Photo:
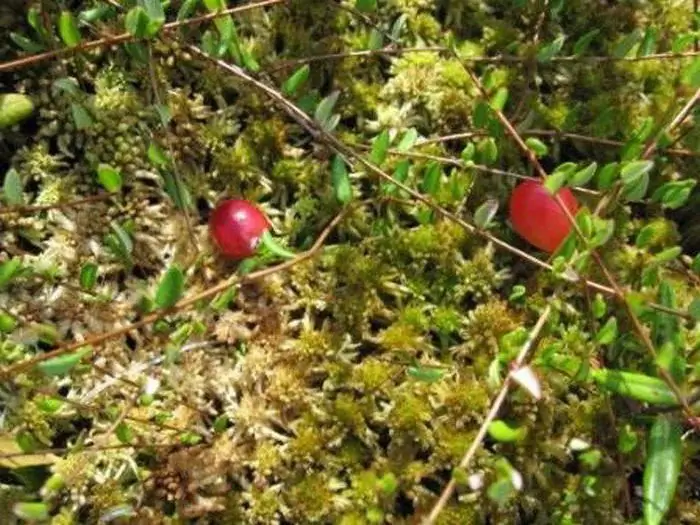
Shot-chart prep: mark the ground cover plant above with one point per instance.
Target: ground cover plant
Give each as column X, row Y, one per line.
column 349, row 261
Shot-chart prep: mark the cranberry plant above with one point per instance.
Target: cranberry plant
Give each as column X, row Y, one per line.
column 349, row 261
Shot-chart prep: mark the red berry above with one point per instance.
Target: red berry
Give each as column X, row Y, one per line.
column 236, row 226
column 537, row 217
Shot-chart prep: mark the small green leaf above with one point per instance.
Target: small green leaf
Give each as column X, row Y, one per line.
column 170, row 288
column 487, row 151
column 667, row 255
column 32, row 511
column 408, row 140
column 8, row 323
column 14, row 108
column 608, row 333
column 468, row 152
column 61, row 365
column 550, row 50
column 582, row 44
column 648, row 45
column 581, row 177
column 400, row 175
column 690, row 75
column 67, row 85
column 157, row 156
column 635, row 386
column 190, row 438
column 8, row 270
column 296, row 80
column 485, row 213
column 136, row 22
column 607, row 175
column 186, row 10
column 380, row 146
column 340, row 180
column 599, row 306
column 155, row 14
column 603, row 231
column 26, row 44
column 324, row 110
column 98, row 13
column 674, row 194
column 88, row 276
column 634, row 170
column 682, row 42
column 366, row 6
column 498, row 101
column 424, row 374
column 662, row 468
column 505, row 433
column 481, row 114
column 517, row 292
column 81, row 116
column 624, row 47
column 124, row 433
column 635, row 179
column 68, row 29
column 376, row 39
column 431, row 179
column 627, row 439
column 555, row 181
column 12, row 188
column 537, row 146
column 164, row 114
column 109, row 177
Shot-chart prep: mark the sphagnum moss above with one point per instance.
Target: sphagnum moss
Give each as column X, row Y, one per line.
column 346, row 389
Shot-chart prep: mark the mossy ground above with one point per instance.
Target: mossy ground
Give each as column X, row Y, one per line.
column 299, row 392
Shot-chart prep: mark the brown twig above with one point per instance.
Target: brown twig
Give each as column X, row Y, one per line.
column 126, row 37
column 493, row 412
column 98, row 339
column 177, row 177
column 57, row 206
column 477, row 167
column 679, row 118
column 555, row 134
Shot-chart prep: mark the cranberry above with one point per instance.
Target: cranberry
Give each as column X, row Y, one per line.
column 537, row 217
column 237, row 226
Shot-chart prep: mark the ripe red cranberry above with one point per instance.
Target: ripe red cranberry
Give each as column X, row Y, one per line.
column 237, row 226
column 537, row 217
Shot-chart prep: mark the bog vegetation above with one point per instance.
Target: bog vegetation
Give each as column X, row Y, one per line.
column 398, row 348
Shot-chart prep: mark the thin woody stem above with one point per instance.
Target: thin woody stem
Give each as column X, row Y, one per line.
column 555, row 134
column 127, row 37
column 493, row 412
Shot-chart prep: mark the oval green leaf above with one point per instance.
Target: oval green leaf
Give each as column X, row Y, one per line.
column 170, row 288
column 662, row 468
